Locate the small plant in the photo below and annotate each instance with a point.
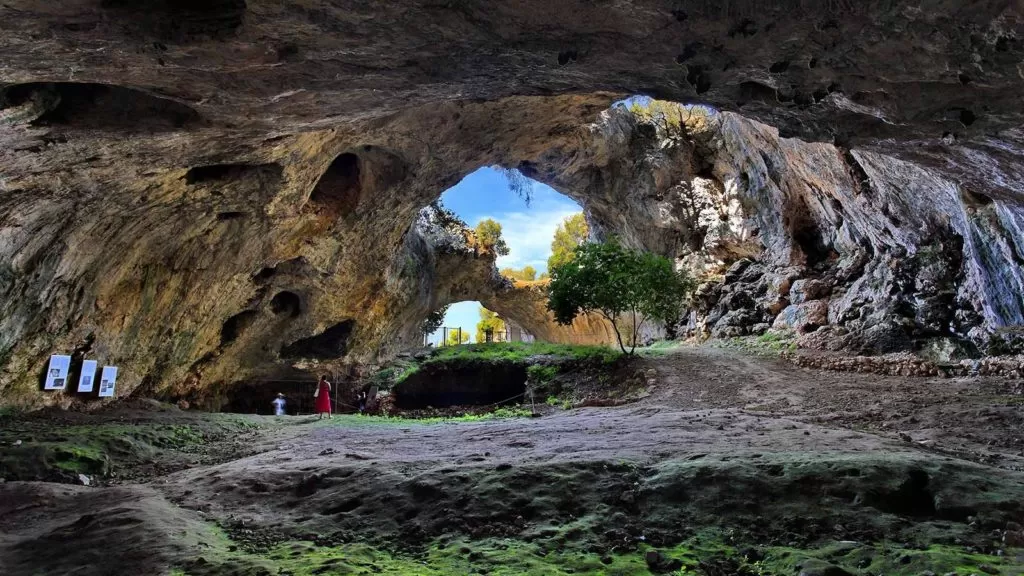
(552, 401)
(541, 374)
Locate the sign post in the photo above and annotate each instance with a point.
(107, 381)
(57, 372)
(88, 377)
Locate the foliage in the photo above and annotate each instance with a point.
(612, 280)
(488, 321)
(518, 183)
(572, 232)
(456, 337)
(541, 374)
(676, 121)
(488, 236)
(434, 320)
(446, 218)
(526, 274)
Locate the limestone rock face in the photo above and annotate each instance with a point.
(205, 193)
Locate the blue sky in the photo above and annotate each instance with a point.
(527, 229)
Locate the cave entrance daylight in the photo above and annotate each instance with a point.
(518, 218)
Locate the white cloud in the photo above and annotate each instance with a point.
(528, 232)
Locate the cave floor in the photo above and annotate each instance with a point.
(733, 464)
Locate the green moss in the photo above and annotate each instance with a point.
(33, 449)
(880, 558)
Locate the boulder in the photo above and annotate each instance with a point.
(803, 318)
(808, 289)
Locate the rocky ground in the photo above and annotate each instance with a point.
(731, 464)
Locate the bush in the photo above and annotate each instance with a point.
(613, 281)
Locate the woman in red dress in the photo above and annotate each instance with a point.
(323, 397)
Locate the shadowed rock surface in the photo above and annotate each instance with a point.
(201, 193)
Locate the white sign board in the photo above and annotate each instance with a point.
(85, 381)
(57, 373)
(107, 380)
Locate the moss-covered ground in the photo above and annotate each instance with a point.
(109, 447)
(711, 553)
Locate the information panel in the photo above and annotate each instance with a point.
(88, 377)
(107, 380)
(57, 373)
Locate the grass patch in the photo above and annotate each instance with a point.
(372, 420)
(523, 351)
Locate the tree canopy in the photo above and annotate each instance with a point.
(572, 232)
(488, 235)
(526, 274)
(613, 281)
(453, 337)
(488, 321)
(434, 320)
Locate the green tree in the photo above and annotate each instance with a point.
(434, 320)
(488, 321)
(488, 235)
(572, 232)
(453, 337)
(676, 121)
(617, 283)
(526, 274)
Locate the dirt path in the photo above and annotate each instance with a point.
(723, 437)
(979, 419)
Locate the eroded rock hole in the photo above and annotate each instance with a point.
(912, 498)
(745, 28)
(101, 107)
(809, 239)
(756, 92)
(698, 77)
(967, 117)
(689, 51)
(338, 190)
(975, 200)
(779, 67)
(566, 56)
(236, 326)
(181, 20)
(286, 302)
(327, 345)
(223, 216)
(475, 383)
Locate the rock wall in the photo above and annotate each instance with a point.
(852, 249)
(203, 194)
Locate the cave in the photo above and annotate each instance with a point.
(327, 345)
(284, 302)
(475, 384)
(337, 193)
(102, 107)
(179, 20)
(224, 199)
(236, 326)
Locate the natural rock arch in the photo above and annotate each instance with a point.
(102, 236)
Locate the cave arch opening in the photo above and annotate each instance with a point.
(515, 218)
